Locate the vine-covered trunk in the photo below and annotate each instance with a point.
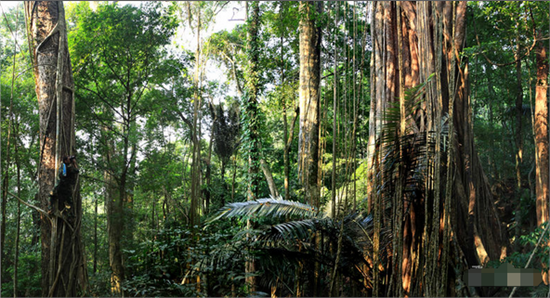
(435, 197)
(251, 125)
(63, 263)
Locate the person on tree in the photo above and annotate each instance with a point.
(63, 191)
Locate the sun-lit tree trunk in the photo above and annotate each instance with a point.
(63, 267)
(541, 138)
(413, 41)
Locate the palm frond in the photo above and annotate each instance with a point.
(273, 207)
(294, 230)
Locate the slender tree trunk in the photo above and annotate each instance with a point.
(209, 171)
(5, 181)
(63, 262)
(519, 138)
(95, 234)
(234, 178)
(224, 185)
(196, 167)
(334, 109)
(18, 229)
(285, 120)
(541, 139)
(5, 185)
(519, 112)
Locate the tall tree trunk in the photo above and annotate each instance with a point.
(196, 164)
(5, 181)
(519, 113)
(310, 78)
(252, 123)
(115, 219)
(541, 139)
(309, 104)
(518, 136)
(5, 173)
(286, 160)
(63, 263)
(18, 229)
(410, 46)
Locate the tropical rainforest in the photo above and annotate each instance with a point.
(280, 148)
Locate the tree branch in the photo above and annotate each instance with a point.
(32, 206)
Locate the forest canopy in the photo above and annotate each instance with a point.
(279, 148)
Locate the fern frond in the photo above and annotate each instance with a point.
(274, 207)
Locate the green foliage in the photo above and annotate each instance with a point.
(29, 273)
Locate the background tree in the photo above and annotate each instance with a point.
(112, 83)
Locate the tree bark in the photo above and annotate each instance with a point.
(425, 39)
(310, 78)
(63, 263)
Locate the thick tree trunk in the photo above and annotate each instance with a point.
(310, 78)
(63, 265)
(413, 41)
(309, 104)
